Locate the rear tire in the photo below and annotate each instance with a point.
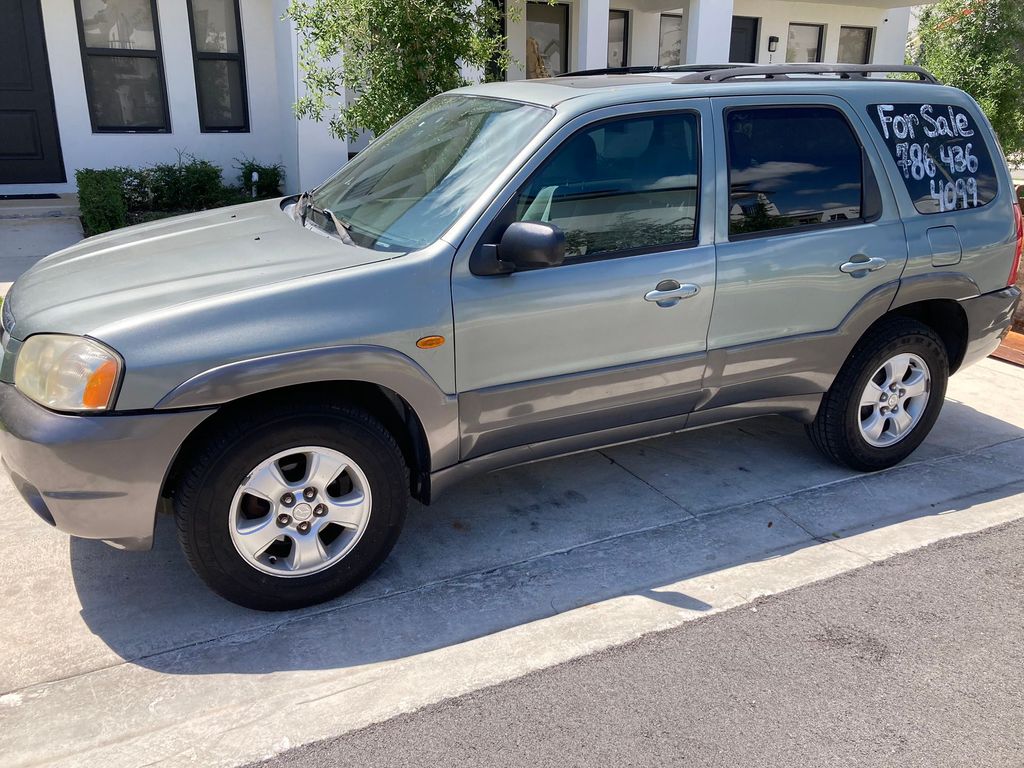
(886, 398)
(292, 505)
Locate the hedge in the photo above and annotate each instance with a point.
(115, 197)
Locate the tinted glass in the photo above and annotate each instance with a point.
(621, 185)
(791, 167)
(618, 33)
(220, 94)
(122, 24)
(126, 92)
(547, 39)
(854, 45)
(940, 153)
(671, 46)
(405, 189)
(804, 43)
(216, 28)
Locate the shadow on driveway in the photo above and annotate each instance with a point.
(527, 543)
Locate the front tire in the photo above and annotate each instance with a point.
(886, 398)
(293, 506)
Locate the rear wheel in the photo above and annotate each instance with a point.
(292, 507)
(886, 397)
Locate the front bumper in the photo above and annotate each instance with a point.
(989, 319)
(97, 477)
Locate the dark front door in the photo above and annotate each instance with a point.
(30, 145)
(743, 48)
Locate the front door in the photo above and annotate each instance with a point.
(617, 334)
(743, 46)
(30, 150)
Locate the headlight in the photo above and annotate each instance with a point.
(67, 373)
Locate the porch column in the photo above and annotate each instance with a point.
(709, 32)
(592, 50)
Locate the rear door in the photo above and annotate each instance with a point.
(617, 334)
(809, 231)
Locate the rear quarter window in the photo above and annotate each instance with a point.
(940, 153)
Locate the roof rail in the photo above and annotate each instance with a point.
(611, 71)
(650, 68)
(770, 72)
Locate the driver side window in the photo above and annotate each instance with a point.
(623, 185)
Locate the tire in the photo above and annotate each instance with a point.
(225, 512)
(837, 430)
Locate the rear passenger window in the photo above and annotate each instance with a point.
(791, 167)
(623, 185)
(941, 154)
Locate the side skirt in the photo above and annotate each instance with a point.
(803, 408)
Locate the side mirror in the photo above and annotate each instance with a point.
(525, 245)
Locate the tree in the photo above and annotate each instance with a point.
(389, 56)
(978, 46)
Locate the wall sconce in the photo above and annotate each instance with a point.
(773, 44)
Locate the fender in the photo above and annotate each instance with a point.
(438, 412)
(935, 285)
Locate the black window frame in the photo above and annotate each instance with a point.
(239, 57)
(625, 35)
(821, 38)
(156, 53)
(672, 16)
(870, 194)
(507, 215)
(566, 9)
(869, 54)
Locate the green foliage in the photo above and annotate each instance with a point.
(188, 185)
(978, 46)
(397, 54)
(115, 197)
(100, 200)
(271, 177)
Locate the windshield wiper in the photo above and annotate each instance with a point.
(341, 228)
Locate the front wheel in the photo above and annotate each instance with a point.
(885, 399)
(292, 507)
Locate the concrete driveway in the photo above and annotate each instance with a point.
(112, 658)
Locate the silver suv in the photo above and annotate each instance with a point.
(512, 272)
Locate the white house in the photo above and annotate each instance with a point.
(97, 83)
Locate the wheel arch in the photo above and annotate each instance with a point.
(392, 386)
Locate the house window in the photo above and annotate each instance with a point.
(670, 45)
(805, 43)
(124, 73)
(855, 45)
(219, 65)
(792, 166)
(618, 38)
(547, 39)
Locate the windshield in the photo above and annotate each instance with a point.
(403, 191)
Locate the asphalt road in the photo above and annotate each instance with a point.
(915, 661)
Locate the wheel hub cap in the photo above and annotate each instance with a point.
(894, 400)
(276, 535)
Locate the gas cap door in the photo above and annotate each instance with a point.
(946, 247)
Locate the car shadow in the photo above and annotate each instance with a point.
(527, 543)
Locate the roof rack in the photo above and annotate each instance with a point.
(644, 70)
(611, 71)
(770, 72)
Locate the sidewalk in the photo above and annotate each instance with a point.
(24, 241)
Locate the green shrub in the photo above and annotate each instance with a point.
(190, 184)
(271, 178)
(101, 200)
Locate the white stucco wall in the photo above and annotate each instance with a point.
(269, 47)
(708, 28)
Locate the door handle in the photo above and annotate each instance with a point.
(862, 267)
(668, 293)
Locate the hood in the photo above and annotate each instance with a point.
(150, 267)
